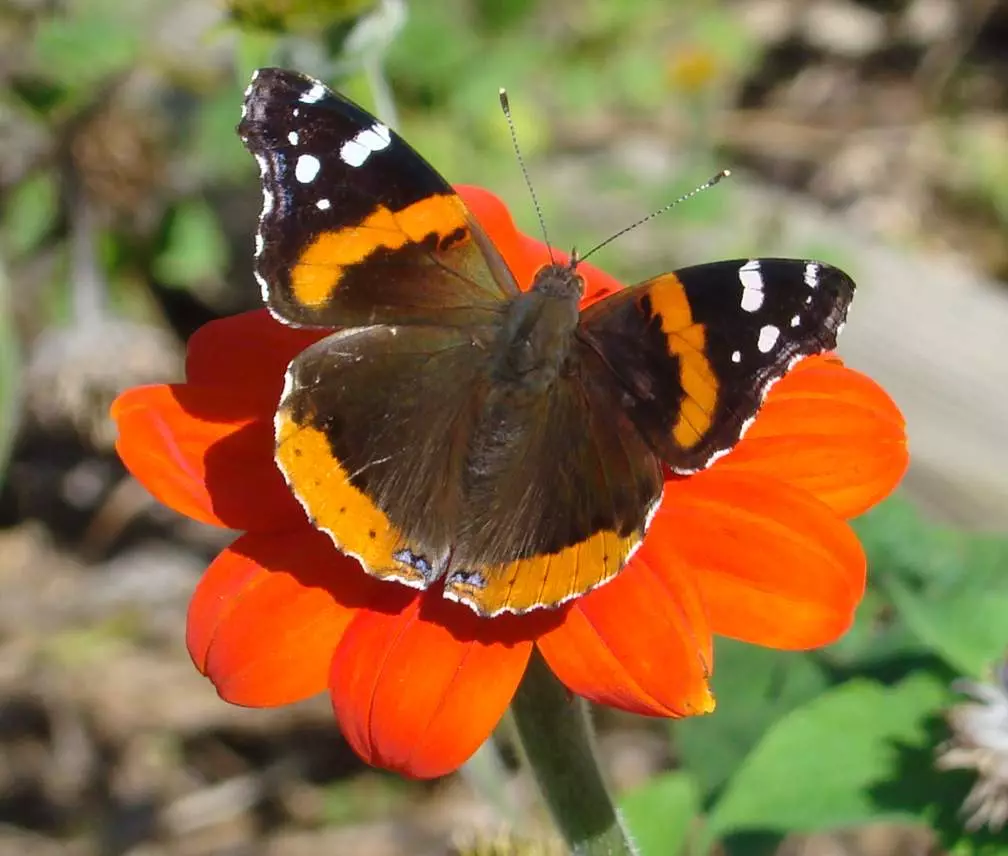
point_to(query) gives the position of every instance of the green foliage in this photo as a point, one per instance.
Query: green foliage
(754, 688)
(308, 16)
(817, 767)
(29, 213)
(660, 815)
(96, 39)
(194, 248)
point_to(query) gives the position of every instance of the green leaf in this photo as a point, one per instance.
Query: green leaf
(96, 40)
(433, 49)
(898, 541)
(195, 247)
(217, 149)
(296, 16)
(963, 623)
(754, 687)
(30, 213)
(817, 767)
(725, 34)
(661, 814)
(877, 639)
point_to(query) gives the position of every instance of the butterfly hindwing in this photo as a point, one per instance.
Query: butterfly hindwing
(696, 351)
(560, 492)
(516, 501)
(357, 228)
(372, 433)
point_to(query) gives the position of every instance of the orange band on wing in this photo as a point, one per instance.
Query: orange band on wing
(544, 581)
(321, 265)
(321, 484)
(686, 341)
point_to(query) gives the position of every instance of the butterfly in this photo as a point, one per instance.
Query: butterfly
(456, 430)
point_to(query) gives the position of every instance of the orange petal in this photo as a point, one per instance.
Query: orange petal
(831, 431)
(199, 452)
(774, 566)
(250, 350)
(524, 255)
(269, 612)
(419, 686)
(640, 642)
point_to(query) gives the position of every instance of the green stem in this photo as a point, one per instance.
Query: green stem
(557, 737)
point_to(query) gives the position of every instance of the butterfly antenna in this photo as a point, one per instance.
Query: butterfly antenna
(710, 182)
(506, 107)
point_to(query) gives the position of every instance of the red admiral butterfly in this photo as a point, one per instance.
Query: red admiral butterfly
(460, 429)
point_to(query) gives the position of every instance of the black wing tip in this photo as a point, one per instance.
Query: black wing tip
(274, 76)
(273, 89)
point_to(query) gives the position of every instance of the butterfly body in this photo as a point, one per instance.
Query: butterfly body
(457, 430)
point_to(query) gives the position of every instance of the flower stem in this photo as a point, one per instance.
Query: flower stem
(557, 737)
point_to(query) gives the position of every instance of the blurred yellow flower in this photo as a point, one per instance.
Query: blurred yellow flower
(692, 69)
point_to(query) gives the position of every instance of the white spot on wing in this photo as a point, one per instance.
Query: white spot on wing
(316, 93)
(323, 204)
(306, 168)
(795, 320)
(812, 274)
(768, 336)
(736, 356)
(293, 138)
(357, 150)
(752, 285)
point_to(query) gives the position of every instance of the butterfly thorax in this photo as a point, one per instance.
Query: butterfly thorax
(538, 329)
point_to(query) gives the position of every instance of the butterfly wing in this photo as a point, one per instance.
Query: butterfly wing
(516, 500)
(372, 434)
(561, 489)
(357, 228)
(695, 352)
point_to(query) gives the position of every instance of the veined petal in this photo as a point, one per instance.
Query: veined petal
(197, 449)
(250, 350)
(831, 431)
(419, 685)
(774, 566)
(269, 612)
(640, 642)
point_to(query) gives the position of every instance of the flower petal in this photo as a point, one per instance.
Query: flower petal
(269, 612)
(524, 255)
(418, 686)
(831, 431)
(774, 566)
(640, 642)
(197, 449)
(250, 350)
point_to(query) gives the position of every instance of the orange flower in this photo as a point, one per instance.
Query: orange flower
(755, 548)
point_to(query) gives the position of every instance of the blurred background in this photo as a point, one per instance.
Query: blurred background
(869, 133)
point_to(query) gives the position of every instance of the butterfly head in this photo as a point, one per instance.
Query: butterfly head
(560, 280)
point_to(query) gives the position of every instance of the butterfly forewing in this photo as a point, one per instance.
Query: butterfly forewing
(696, 351)
(356, 228)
